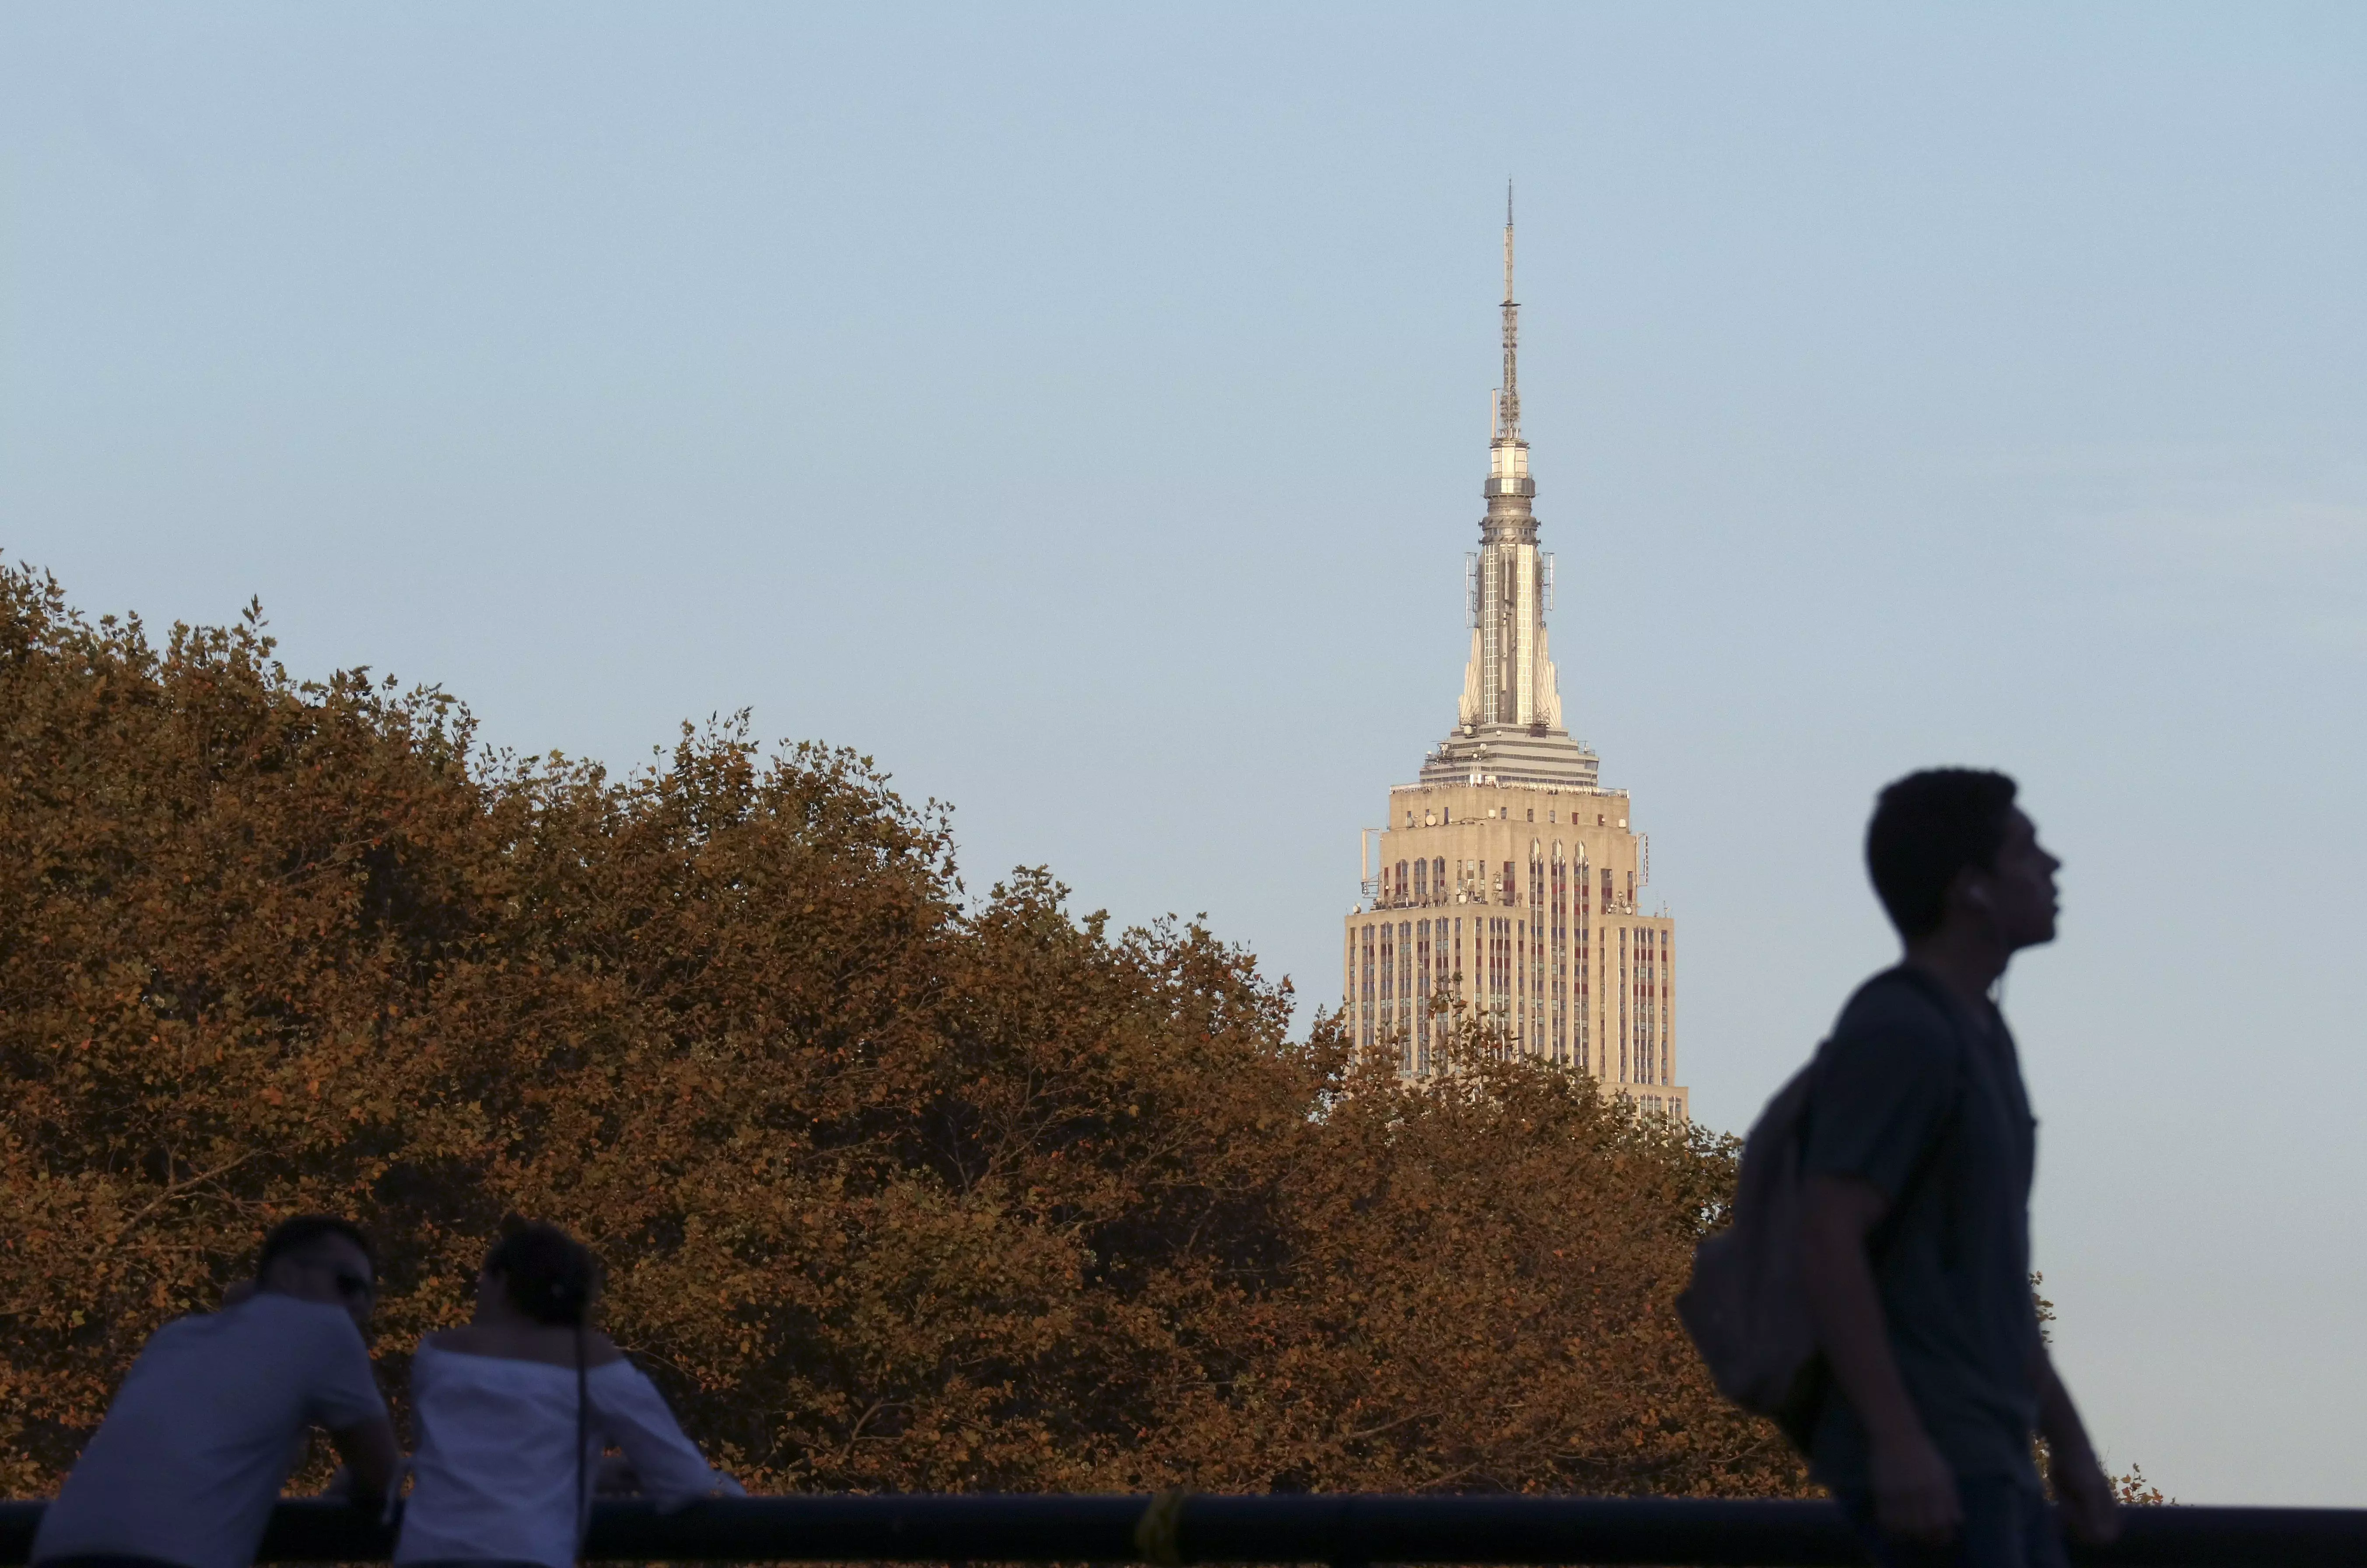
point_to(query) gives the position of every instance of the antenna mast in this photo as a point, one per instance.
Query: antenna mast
(1508, 403)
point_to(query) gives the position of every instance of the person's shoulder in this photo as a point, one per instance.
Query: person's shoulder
(621, 1376)
(265, 1330)
(292, 1309)
(537, 1346)
(189, 1328)
(291, 1320)
(1898, 1003)
(1894, 1022)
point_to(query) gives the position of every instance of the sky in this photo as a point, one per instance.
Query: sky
(1082, 412)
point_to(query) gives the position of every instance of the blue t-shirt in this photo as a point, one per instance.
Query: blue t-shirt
(1923, 1097)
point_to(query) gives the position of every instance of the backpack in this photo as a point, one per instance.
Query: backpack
(1746, 1307)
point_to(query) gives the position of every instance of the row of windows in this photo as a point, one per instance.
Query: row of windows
(1643, 1028)
(1403, 964)
(1443, 817)
(1526, 983)
(1428, 882)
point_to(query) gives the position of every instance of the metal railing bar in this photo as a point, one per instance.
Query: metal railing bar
(1342, 1528)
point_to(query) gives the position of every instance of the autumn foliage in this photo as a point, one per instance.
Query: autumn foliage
(900, 1188)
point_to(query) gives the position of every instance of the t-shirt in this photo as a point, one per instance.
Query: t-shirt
(197, 1441)
(1914, 1081)
(495, 1475)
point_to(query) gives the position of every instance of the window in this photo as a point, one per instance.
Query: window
(1422, 882)
(1558, 897)
(1421, 992)
(1533, 813)
(1405, 991)
(1444, 975)
(1365, 1017)
(1627, 1065)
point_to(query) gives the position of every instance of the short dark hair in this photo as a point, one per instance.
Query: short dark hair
(1928, 827)
(304, 1233)
(548, 1274)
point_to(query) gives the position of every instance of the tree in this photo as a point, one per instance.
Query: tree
(898, 1188)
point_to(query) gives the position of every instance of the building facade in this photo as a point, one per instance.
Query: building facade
(1507, 878)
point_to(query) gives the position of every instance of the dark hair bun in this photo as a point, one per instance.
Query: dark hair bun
(548, 1275)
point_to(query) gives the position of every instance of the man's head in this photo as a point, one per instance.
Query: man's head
(1948, 847)
(320, 1257)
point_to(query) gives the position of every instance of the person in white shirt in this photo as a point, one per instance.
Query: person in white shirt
(207, 1424)
(513, 1412)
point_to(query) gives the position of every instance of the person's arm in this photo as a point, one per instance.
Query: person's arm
(667, 1465)
(371, 1455)
(342, 1399)
(1915, 1495)
(2088, 1505)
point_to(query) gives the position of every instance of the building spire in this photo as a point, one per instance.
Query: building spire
(1507, 397)
(1509, 724)
(1508, 454)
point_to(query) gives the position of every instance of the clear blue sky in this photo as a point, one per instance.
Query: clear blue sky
(1084, 413)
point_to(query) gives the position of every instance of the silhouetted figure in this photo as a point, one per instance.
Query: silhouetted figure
(514, 1411)
(210, 1419)
(1919, 1147)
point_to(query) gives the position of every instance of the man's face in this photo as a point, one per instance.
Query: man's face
(333, 1271)
(2019, 888)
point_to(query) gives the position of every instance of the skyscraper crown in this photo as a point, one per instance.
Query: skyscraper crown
(1509, 723)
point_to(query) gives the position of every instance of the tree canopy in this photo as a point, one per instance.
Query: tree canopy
(899, 1188)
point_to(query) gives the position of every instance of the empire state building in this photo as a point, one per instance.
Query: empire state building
(1507, 875)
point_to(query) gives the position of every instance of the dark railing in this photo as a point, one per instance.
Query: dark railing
(1342, 1529)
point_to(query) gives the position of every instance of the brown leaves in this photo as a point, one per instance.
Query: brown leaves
(896, 1189)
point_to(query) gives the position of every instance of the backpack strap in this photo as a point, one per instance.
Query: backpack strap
(1945, 1136)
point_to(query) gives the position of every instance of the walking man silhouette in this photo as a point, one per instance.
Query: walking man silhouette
(1917, 1158)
